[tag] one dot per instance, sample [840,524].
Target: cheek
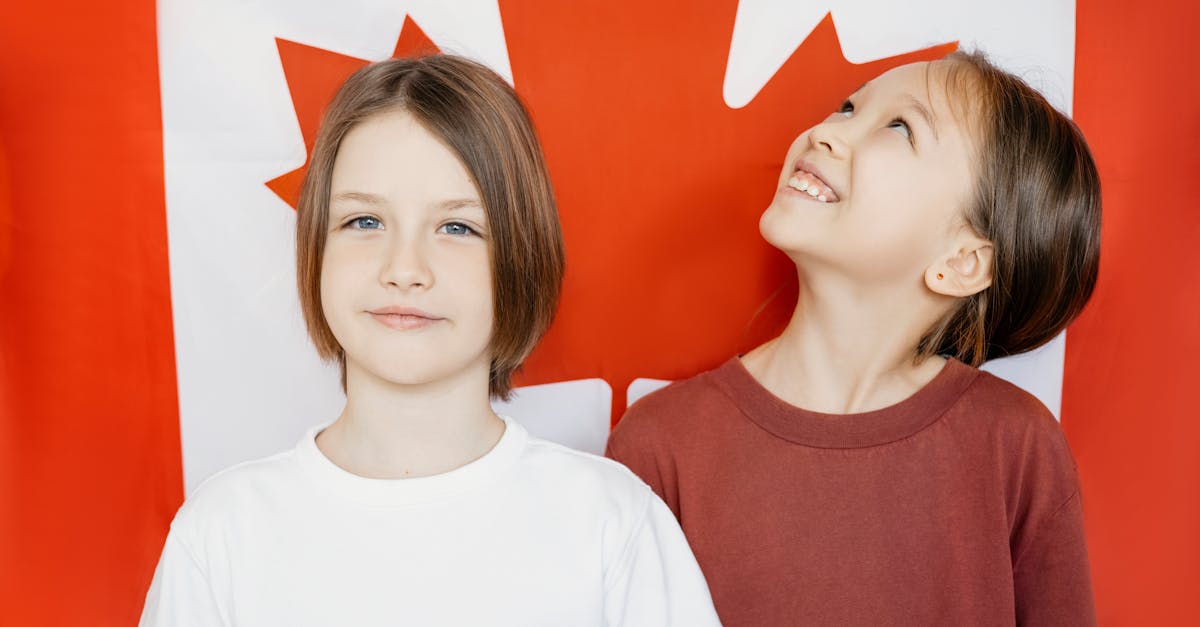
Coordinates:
[473,293]
[912,231]
[340,271]
[467,271]
[793,153]
[350,259]
[334,258]
[331,299]
[481,275]
[481,287]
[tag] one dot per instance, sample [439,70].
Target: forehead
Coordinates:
[394,156]
[930,83]
[925,82]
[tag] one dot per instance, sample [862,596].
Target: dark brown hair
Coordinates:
[481,119]
[1037,199]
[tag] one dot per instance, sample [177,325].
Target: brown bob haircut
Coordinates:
[1037,199]
[479,117]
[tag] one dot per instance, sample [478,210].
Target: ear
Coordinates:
[965,271]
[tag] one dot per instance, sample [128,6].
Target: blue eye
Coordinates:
[901,127]
[365,223]
[456,228]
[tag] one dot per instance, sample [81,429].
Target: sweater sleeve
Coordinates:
[656,581]
[1052,581]
[180,594]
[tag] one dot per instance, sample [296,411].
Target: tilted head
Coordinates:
[955,189]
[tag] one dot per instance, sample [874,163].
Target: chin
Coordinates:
[421,368]
[405,376]
[774,228]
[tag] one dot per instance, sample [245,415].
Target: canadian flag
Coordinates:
[149,156]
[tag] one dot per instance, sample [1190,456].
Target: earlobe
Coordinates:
[966,272]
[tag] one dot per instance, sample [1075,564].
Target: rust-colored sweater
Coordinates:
[957,506]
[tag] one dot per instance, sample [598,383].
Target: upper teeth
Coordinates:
[809,184]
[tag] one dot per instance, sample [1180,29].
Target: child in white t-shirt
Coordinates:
[429,263]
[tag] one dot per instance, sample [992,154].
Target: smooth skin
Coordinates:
[886,258]
[406,290]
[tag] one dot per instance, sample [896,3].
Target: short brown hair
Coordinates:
[481,119]
[1037,199]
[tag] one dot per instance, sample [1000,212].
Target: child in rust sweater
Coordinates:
[859,469]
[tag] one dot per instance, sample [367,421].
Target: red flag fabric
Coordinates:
[90,469]
[659,122]
[1129,395]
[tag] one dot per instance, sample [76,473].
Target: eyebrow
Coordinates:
[363,197]
[376,200]
[925,113]
[459,203]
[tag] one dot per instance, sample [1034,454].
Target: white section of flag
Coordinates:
[642,387]
[1034,38]
[249,381]
[573,413]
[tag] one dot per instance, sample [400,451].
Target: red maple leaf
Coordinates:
[660,183]
[313,76]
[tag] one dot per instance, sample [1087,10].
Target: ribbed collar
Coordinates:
[386,493]
[822,430]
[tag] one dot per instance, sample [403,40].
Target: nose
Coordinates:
[828,137]
[406,264]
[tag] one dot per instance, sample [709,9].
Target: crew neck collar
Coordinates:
[386,493]
[861,430]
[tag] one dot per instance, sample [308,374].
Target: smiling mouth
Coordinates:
[808,183]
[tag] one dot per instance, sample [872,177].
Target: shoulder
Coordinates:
[589,498]
[1036,470]
[678,407]
[1011,413]
[243,491]
[1027,442]
[584,476]
[684,396]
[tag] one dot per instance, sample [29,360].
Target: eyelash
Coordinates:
[848,107]
[467,230]
[908,134]
[357,225]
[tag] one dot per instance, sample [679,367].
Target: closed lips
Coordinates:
[403,318]
[403,311]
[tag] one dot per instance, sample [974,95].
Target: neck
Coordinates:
[395,431]
[848,349]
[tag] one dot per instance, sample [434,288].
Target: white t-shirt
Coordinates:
[530,534]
